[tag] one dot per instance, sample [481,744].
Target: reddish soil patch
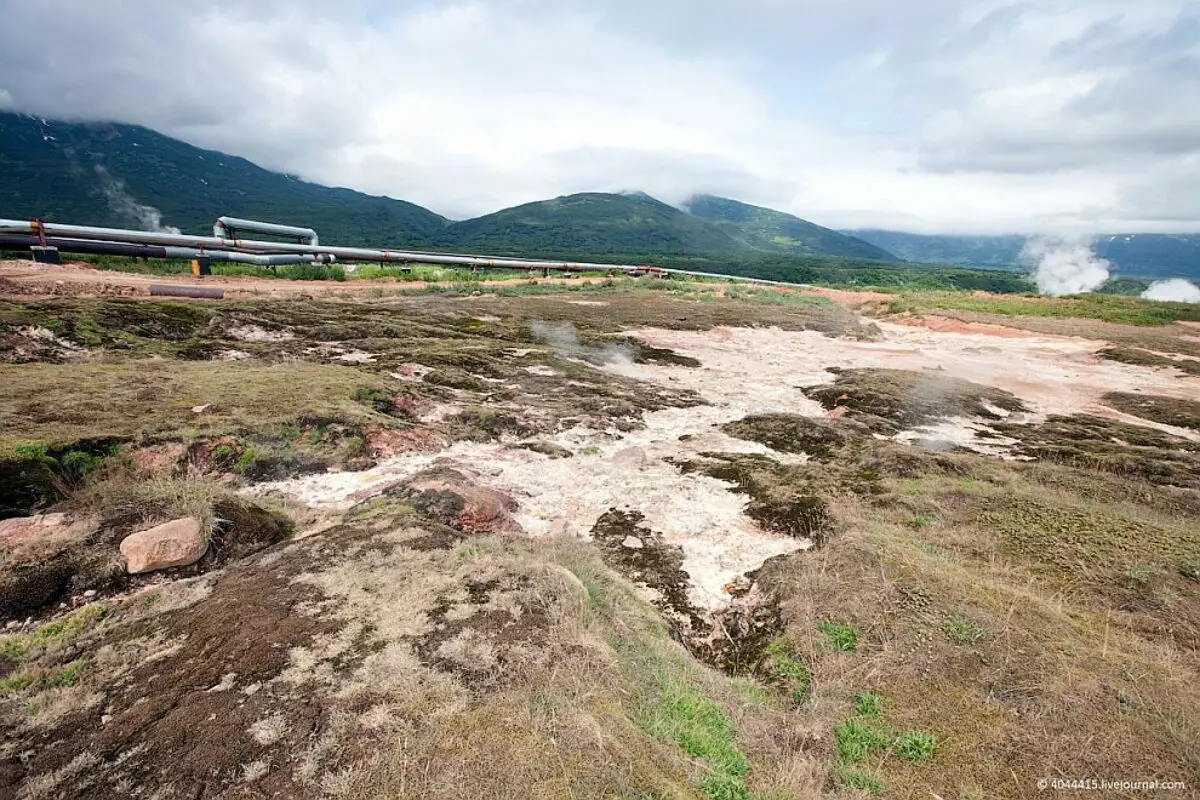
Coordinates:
[940,324]
[386,442]
[78,278]
[161,459]
[847,297]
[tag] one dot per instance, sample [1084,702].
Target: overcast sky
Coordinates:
[924,115]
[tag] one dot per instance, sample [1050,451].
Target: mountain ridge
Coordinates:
[114,174]
[108,173]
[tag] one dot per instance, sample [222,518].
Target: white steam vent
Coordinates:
[1064,265]
[1176,289]
[126,207]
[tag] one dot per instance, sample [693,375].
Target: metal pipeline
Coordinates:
[225,247]
[247,258]
[202,292]
[226,228]
[55,229]
[9,241]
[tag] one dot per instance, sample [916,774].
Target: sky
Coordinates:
[935,116]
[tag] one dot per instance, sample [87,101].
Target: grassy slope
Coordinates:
[767,229]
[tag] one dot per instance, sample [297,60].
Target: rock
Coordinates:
[173,544]
[837,412]
[453,498]
[22,529]
[739,586]
[90,593]
[201,409]
[632,542]
[549,449]
[631,458]
[12,624]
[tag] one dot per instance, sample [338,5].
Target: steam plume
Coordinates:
[1175,289]
[565,344]
[1064,265]
[123,204]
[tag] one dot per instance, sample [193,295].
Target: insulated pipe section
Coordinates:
[17,241]
[245,258]
[9,241]
[201,292]
[226,228]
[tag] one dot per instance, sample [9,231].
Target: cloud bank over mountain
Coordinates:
[1064,116]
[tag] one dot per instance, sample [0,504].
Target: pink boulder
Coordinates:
[173,544]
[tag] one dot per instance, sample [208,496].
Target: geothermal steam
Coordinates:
[1176,289]
[1064,265]
[566,344]
[122,203]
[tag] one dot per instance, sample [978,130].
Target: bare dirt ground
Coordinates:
[80,279]
[644,544]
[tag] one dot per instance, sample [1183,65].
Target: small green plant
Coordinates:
[76,464]
[931,550]
[962,630]
[789,669]
[1143,573]
[317,434]
[34,451]
[854,778]
[919,521]
[469,550]
[12,647]
[71,625]
[916,745]
[590,450]
[246,460]
[15,683]
[65,676]
[868,704]
[377,399]
[840,637]
[856,739]
[17,646]
[223,455]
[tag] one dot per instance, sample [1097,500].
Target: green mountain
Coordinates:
[592,223]
[1141,255]
[768,230]
[129,176]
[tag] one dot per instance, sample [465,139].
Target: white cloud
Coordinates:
[932,115]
